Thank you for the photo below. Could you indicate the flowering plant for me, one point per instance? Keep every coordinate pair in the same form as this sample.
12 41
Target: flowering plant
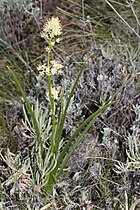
54 156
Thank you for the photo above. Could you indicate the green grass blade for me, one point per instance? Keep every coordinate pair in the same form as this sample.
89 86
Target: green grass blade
60 128
35 123
91 119
60 116
88 122
73 88
122 86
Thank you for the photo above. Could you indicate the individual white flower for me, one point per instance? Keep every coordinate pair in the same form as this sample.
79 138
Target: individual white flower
48 50
58 40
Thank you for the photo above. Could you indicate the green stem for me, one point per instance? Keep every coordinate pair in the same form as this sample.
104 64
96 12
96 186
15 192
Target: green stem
51 102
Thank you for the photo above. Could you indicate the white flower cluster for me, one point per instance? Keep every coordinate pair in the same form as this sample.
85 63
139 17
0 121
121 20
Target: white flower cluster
52 29
54 69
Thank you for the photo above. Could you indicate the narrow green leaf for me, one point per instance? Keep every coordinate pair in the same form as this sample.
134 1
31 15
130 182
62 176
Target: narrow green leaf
60 128
123 85
89 122
78 130
33 117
